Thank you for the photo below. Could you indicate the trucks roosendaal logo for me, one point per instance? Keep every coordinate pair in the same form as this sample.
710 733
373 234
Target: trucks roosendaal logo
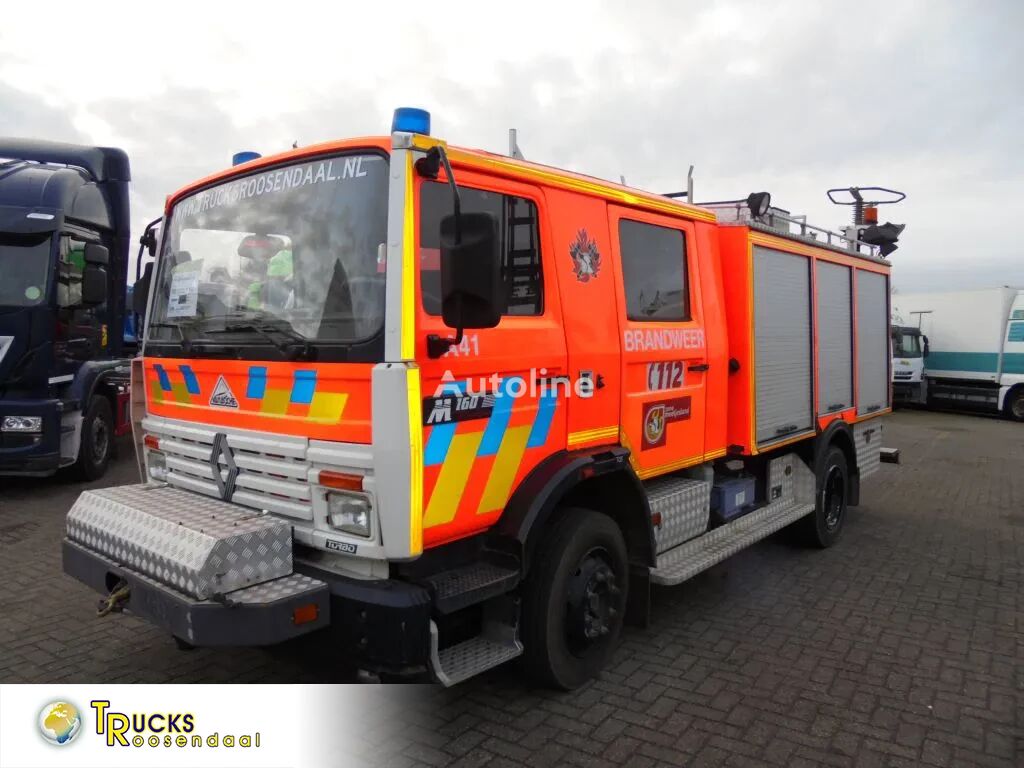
586 259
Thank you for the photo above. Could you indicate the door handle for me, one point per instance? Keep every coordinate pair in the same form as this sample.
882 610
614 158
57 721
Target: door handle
699 367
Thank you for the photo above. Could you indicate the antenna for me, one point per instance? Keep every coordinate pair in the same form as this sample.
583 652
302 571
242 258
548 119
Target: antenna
513 145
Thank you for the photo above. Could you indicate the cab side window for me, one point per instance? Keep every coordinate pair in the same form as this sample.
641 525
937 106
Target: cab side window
69 271
518 241
654 272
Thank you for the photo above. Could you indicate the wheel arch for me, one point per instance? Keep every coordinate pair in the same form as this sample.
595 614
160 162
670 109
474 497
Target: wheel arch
599 479
840 434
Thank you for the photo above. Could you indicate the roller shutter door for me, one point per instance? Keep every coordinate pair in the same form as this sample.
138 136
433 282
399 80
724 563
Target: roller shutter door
872 342
835 338
782 344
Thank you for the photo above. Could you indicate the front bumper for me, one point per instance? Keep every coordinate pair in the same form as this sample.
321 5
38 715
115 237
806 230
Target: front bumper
262 614
214 574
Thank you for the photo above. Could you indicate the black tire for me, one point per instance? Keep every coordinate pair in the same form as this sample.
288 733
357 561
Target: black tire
97 442
574 599
1014 405
823 528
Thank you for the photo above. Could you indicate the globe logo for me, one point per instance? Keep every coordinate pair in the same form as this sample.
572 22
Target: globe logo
59 722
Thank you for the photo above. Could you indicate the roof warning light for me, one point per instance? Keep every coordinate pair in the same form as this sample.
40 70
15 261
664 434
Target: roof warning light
411 120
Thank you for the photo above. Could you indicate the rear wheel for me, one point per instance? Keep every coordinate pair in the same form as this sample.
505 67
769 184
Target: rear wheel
97 439
1015 404
574 599
823 527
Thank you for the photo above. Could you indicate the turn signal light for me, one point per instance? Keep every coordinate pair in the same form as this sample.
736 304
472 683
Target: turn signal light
152 442
341 480
304 614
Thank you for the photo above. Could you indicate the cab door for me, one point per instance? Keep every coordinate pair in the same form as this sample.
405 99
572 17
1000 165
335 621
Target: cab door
492 409
664 347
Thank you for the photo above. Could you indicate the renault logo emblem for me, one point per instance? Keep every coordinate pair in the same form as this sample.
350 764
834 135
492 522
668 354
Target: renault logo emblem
222 452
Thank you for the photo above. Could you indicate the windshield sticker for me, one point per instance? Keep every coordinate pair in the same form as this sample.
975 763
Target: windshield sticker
32 293
184 294
326 171
222 396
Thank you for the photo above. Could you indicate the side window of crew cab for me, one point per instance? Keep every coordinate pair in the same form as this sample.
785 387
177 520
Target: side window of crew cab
664 354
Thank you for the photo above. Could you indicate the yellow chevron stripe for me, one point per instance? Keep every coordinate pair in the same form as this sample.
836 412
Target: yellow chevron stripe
180 392
327 407
444 501
156 392
503 473
589 435
275 402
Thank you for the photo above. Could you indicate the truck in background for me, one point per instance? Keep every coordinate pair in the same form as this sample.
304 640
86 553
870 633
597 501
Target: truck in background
64 370
971 344
909 349
456 408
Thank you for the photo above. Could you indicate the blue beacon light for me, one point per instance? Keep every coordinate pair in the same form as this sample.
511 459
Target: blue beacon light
411 120
244 157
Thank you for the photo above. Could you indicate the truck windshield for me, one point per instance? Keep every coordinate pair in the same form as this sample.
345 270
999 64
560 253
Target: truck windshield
906 344
292 254
24 267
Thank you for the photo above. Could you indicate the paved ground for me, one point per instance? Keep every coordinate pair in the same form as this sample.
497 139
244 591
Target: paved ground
903 645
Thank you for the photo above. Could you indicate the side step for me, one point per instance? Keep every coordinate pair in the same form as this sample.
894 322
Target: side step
471 584
471 657
687 560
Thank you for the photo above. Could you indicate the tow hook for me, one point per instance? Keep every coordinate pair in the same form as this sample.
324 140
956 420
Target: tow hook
115 601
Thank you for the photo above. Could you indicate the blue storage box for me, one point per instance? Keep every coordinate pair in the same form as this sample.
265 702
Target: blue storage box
730 497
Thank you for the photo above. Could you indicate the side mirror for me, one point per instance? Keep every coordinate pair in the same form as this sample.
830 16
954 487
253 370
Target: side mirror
472 289
140 294
96 254
94 284
925 349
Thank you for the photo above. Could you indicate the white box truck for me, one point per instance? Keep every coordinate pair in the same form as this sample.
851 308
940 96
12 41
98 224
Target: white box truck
972 345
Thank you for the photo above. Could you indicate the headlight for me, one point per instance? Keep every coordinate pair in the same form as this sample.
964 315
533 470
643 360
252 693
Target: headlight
349 512
22 424
157 465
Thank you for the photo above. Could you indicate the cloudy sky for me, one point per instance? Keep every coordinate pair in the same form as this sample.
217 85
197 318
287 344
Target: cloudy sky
790 97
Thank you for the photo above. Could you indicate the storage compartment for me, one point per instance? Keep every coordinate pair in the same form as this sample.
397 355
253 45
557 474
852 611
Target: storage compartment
782 345
872 342
835 337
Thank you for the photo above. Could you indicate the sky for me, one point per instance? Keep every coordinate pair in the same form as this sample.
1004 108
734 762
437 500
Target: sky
788 97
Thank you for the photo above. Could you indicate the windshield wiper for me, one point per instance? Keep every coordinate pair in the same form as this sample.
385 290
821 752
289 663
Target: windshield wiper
296 348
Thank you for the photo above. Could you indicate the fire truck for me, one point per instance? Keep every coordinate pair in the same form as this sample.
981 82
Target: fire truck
455 408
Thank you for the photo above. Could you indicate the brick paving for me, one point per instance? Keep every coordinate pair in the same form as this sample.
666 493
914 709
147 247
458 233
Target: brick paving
902 645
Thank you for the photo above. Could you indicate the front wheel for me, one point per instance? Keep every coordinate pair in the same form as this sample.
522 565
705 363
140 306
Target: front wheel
574 599
97 439
1015 404
823 527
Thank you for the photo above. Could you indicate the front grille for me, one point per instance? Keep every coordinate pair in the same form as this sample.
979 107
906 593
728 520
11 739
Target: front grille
273 471
902 374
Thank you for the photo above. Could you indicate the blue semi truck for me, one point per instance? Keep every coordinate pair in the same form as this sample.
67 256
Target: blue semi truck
64 361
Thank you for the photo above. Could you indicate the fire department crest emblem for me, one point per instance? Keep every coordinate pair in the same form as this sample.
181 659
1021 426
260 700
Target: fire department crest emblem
654 425
586 259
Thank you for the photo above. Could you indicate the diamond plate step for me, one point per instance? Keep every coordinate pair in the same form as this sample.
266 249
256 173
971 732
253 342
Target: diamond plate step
464 660
687 560
461 587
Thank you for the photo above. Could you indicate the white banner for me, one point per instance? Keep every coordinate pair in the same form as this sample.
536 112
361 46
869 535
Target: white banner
198 726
